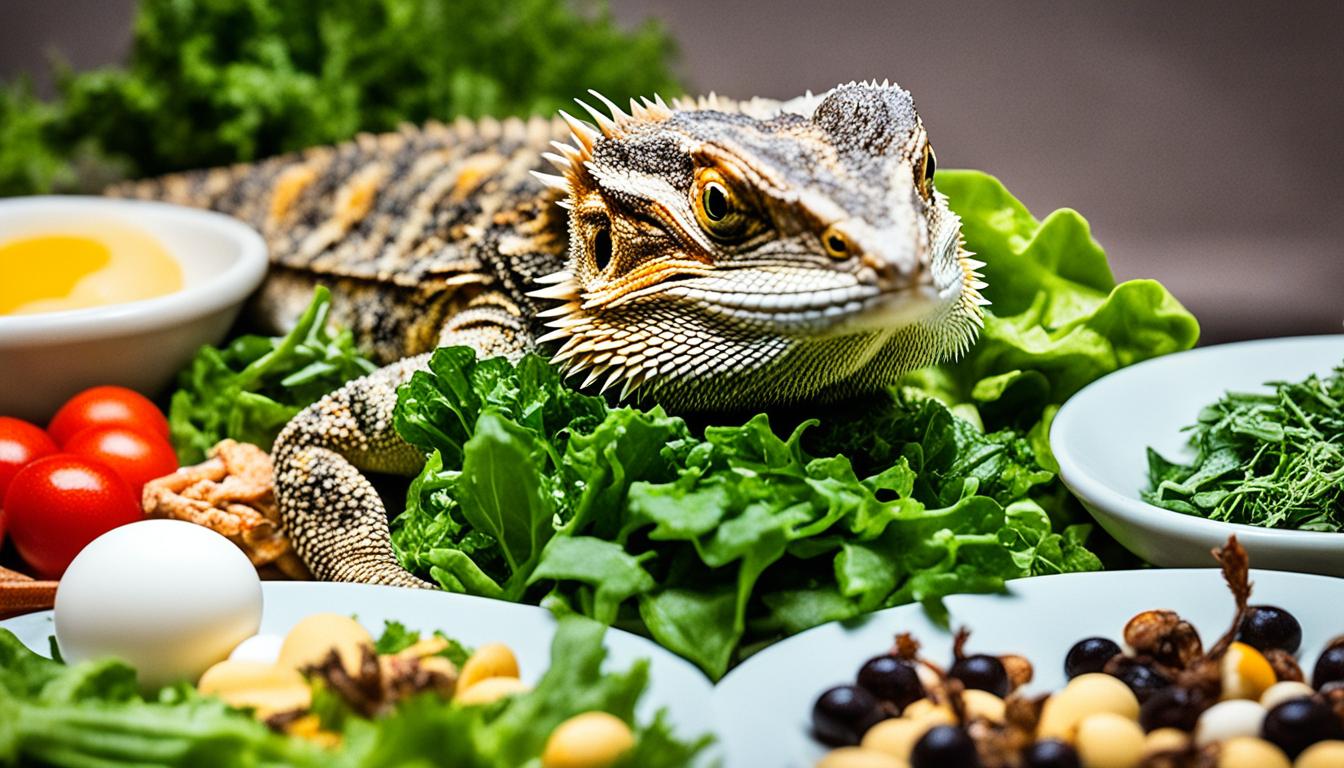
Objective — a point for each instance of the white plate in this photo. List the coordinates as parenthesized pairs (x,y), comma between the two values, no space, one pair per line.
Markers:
(769,698)
(473,620)
(1101,435)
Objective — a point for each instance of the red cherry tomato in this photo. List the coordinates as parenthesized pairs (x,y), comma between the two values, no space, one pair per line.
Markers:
(20,443)
(107,407)
(56,505)
(137,456)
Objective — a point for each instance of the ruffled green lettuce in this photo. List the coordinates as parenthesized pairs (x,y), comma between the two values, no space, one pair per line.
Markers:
(1057,321)
(714,543)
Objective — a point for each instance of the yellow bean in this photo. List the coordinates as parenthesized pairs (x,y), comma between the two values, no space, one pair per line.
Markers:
(491,689)
(860,757)
(588,740)
(311,640)
(1165,740)
(1251,752)
(1322,754)
(1085,695)
(897,736)
(265,688)
(1108,740)
(490,660)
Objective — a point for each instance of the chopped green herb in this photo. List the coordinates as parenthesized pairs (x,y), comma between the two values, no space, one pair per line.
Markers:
(397,638)
(1272,459)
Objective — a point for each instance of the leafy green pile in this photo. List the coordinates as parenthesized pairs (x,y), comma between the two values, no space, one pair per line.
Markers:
(1272,459)
(713,544)
(249,390)
(536,492)
(91,714)
(29,160)
(1058,321)
(212,82)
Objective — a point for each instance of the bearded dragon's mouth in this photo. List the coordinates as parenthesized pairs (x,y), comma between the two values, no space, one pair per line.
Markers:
(894,309)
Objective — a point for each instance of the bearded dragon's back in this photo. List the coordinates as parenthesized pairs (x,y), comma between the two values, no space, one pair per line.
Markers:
(393,223)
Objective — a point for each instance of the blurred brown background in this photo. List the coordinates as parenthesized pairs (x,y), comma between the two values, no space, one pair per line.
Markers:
(1202,139)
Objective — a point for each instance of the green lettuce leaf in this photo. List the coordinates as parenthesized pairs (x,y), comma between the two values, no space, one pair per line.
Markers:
(1057,320)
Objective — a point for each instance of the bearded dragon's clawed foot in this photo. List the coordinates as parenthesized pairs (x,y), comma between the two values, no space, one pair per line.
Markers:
(332,513)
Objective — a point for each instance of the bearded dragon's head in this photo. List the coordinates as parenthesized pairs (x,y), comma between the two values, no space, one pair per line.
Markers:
(743,254)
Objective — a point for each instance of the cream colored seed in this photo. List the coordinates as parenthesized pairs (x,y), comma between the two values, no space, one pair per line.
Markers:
(267,689)
(897,736)
(1165,740)
(490,660)
(313,639)
(1108,740)
(1228,720)
(1287,690)
(860,757)
(1085,695)
(979,704)
(588,740)
(491,689)
(919,708)
(1322,754)
(1250,752)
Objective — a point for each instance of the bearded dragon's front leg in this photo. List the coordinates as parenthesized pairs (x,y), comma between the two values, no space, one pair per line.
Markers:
(328,509)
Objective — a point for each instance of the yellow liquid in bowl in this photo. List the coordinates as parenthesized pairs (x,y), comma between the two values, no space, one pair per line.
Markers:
(52,273)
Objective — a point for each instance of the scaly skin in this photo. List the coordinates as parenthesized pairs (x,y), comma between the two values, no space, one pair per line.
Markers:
(715,255)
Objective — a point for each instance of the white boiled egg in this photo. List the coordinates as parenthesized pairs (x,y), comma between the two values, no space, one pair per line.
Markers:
(169,597)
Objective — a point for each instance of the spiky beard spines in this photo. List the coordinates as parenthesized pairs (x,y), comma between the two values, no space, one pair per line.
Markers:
(968,314)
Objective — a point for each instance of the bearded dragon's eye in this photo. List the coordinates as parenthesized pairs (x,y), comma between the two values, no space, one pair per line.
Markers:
(722,212)
(927,165)
(836,244)
(714,199)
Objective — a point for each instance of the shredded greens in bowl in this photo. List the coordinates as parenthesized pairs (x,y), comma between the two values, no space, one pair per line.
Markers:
(1272,459)
(92,714)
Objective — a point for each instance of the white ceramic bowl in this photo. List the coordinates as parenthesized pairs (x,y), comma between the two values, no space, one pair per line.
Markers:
(765,705)
(1101,434)
(45,358)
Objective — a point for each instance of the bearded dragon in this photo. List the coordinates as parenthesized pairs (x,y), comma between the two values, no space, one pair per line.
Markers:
(706,254)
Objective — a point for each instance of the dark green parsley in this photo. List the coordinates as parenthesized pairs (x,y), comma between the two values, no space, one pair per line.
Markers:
(1274,459)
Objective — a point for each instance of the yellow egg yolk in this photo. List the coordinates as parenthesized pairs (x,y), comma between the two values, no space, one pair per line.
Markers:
(109,265)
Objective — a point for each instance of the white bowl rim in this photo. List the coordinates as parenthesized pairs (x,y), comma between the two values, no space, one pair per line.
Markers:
(1149,516)
(222,290)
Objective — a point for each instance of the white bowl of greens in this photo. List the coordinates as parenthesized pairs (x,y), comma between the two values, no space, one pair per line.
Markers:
(1101,438)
